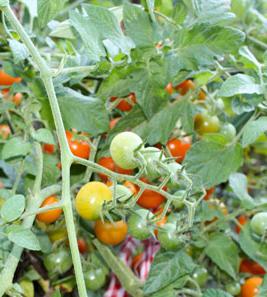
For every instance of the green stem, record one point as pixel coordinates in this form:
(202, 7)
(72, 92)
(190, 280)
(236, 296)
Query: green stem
(257, 42)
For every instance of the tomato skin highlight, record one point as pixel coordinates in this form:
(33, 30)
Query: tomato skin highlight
(79, 148)
(124, 105)
(111, 233)
(250, 287)
(90, 198)
(5, 131)
(48, 148)
(49, 216)
(8, 80)
(178, 149)
(250, 266)
(150, 199)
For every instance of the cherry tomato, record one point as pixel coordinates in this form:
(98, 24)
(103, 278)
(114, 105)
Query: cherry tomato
(124, 105)
(132, 187)
(48, 148)
(113, 122)
(90, 199)
(168, 238)
(82, 245)
(228, 130)
(242, 219)
(178, 149)
(209, 193)
(123, 148)
(202, 95)
(206, 124)
(169, 88)
(7, 80)
(49, 216)
(5, 131)
(138, 225)
(250, 266)
(250, 287)
(185, 86)
(108, 163)
(233, 288)
(79, 148)
(258, 223)
(59, 261)
(95, 278)
(111, 233)
(17, 98)
(201, 275)
(150, 199)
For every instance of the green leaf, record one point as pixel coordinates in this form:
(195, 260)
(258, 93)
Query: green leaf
(248, 58)
(216, 293)
(263, 287)
(44, 135)
(15, 147)
(239, 84)
(138, 26)
(24, 238)
(13, 208)
(211, 163)
(84, 113)
(253, 130)
(254, 249)
(19, 50)
(32, 7)
(51, 173)
(238, 183)
(171, 290)
(224, 253)
(48, 9)
(166, 268)
(62, 30)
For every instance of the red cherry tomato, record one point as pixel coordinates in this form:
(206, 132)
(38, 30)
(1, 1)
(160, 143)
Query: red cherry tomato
(250, 266)
(82, 245)
(209, 193)
(132, 187)
(79, 148)
(169, 88)
(49, 216)
(150, 199)
(178, 149)
(242, 219)
(8, 80)
(124, 105)
(48, 148)
(185, 86)
(113, 122)
(250, 287)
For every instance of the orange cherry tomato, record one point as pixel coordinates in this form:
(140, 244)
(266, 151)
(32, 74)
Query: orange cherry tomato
(160, 223)
(5, 131)
(150, 199)
(49, 216)
(169, 88)
(17, 98)
(178, 149)
(48, 148)
(111, 233)
(79, 148)
(124, 105)
(8, 80)
(82, 245)
(250, 287)
(108, 163)
(242, 219)
(202, 95)
(132, 187)
(113, 122)
(137, 259)
(209, 193)
(250, 266)
(185, 86)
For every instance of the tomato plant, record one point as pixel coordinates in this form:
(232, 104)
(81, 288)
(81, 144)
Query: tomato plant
(49, 216)
(250, 287)
(178, 149)
(78, 147)
(259, 223)
(5, 131)
(58, 262)
(95, 278)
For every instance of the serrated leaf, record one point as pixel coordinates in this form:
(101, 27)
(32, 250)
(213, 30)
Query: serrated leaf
(13, 208)
(24, 238)
(239, 84)
(224, 253)
(171, 290)
(216, 293)
(51, 173)
(15, 147)
(211, 163)
(62, 30)
(84, 113)
(19, 50)
(255, 250)
(166, 268)
(238, 183)
(253, 130)
(48, 9)
(44, 135)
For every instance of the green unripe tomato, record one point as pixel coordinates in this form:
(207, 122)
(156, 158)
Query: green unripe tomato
(228, 130)
(94, 279)
(201, 276)
(219, 104)
(123, 147)
(205, 123)
(233, 289)
(122, 193)
(138, 225)
(58, 261)
(168, 238)
(258, 223)
(152, 156)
